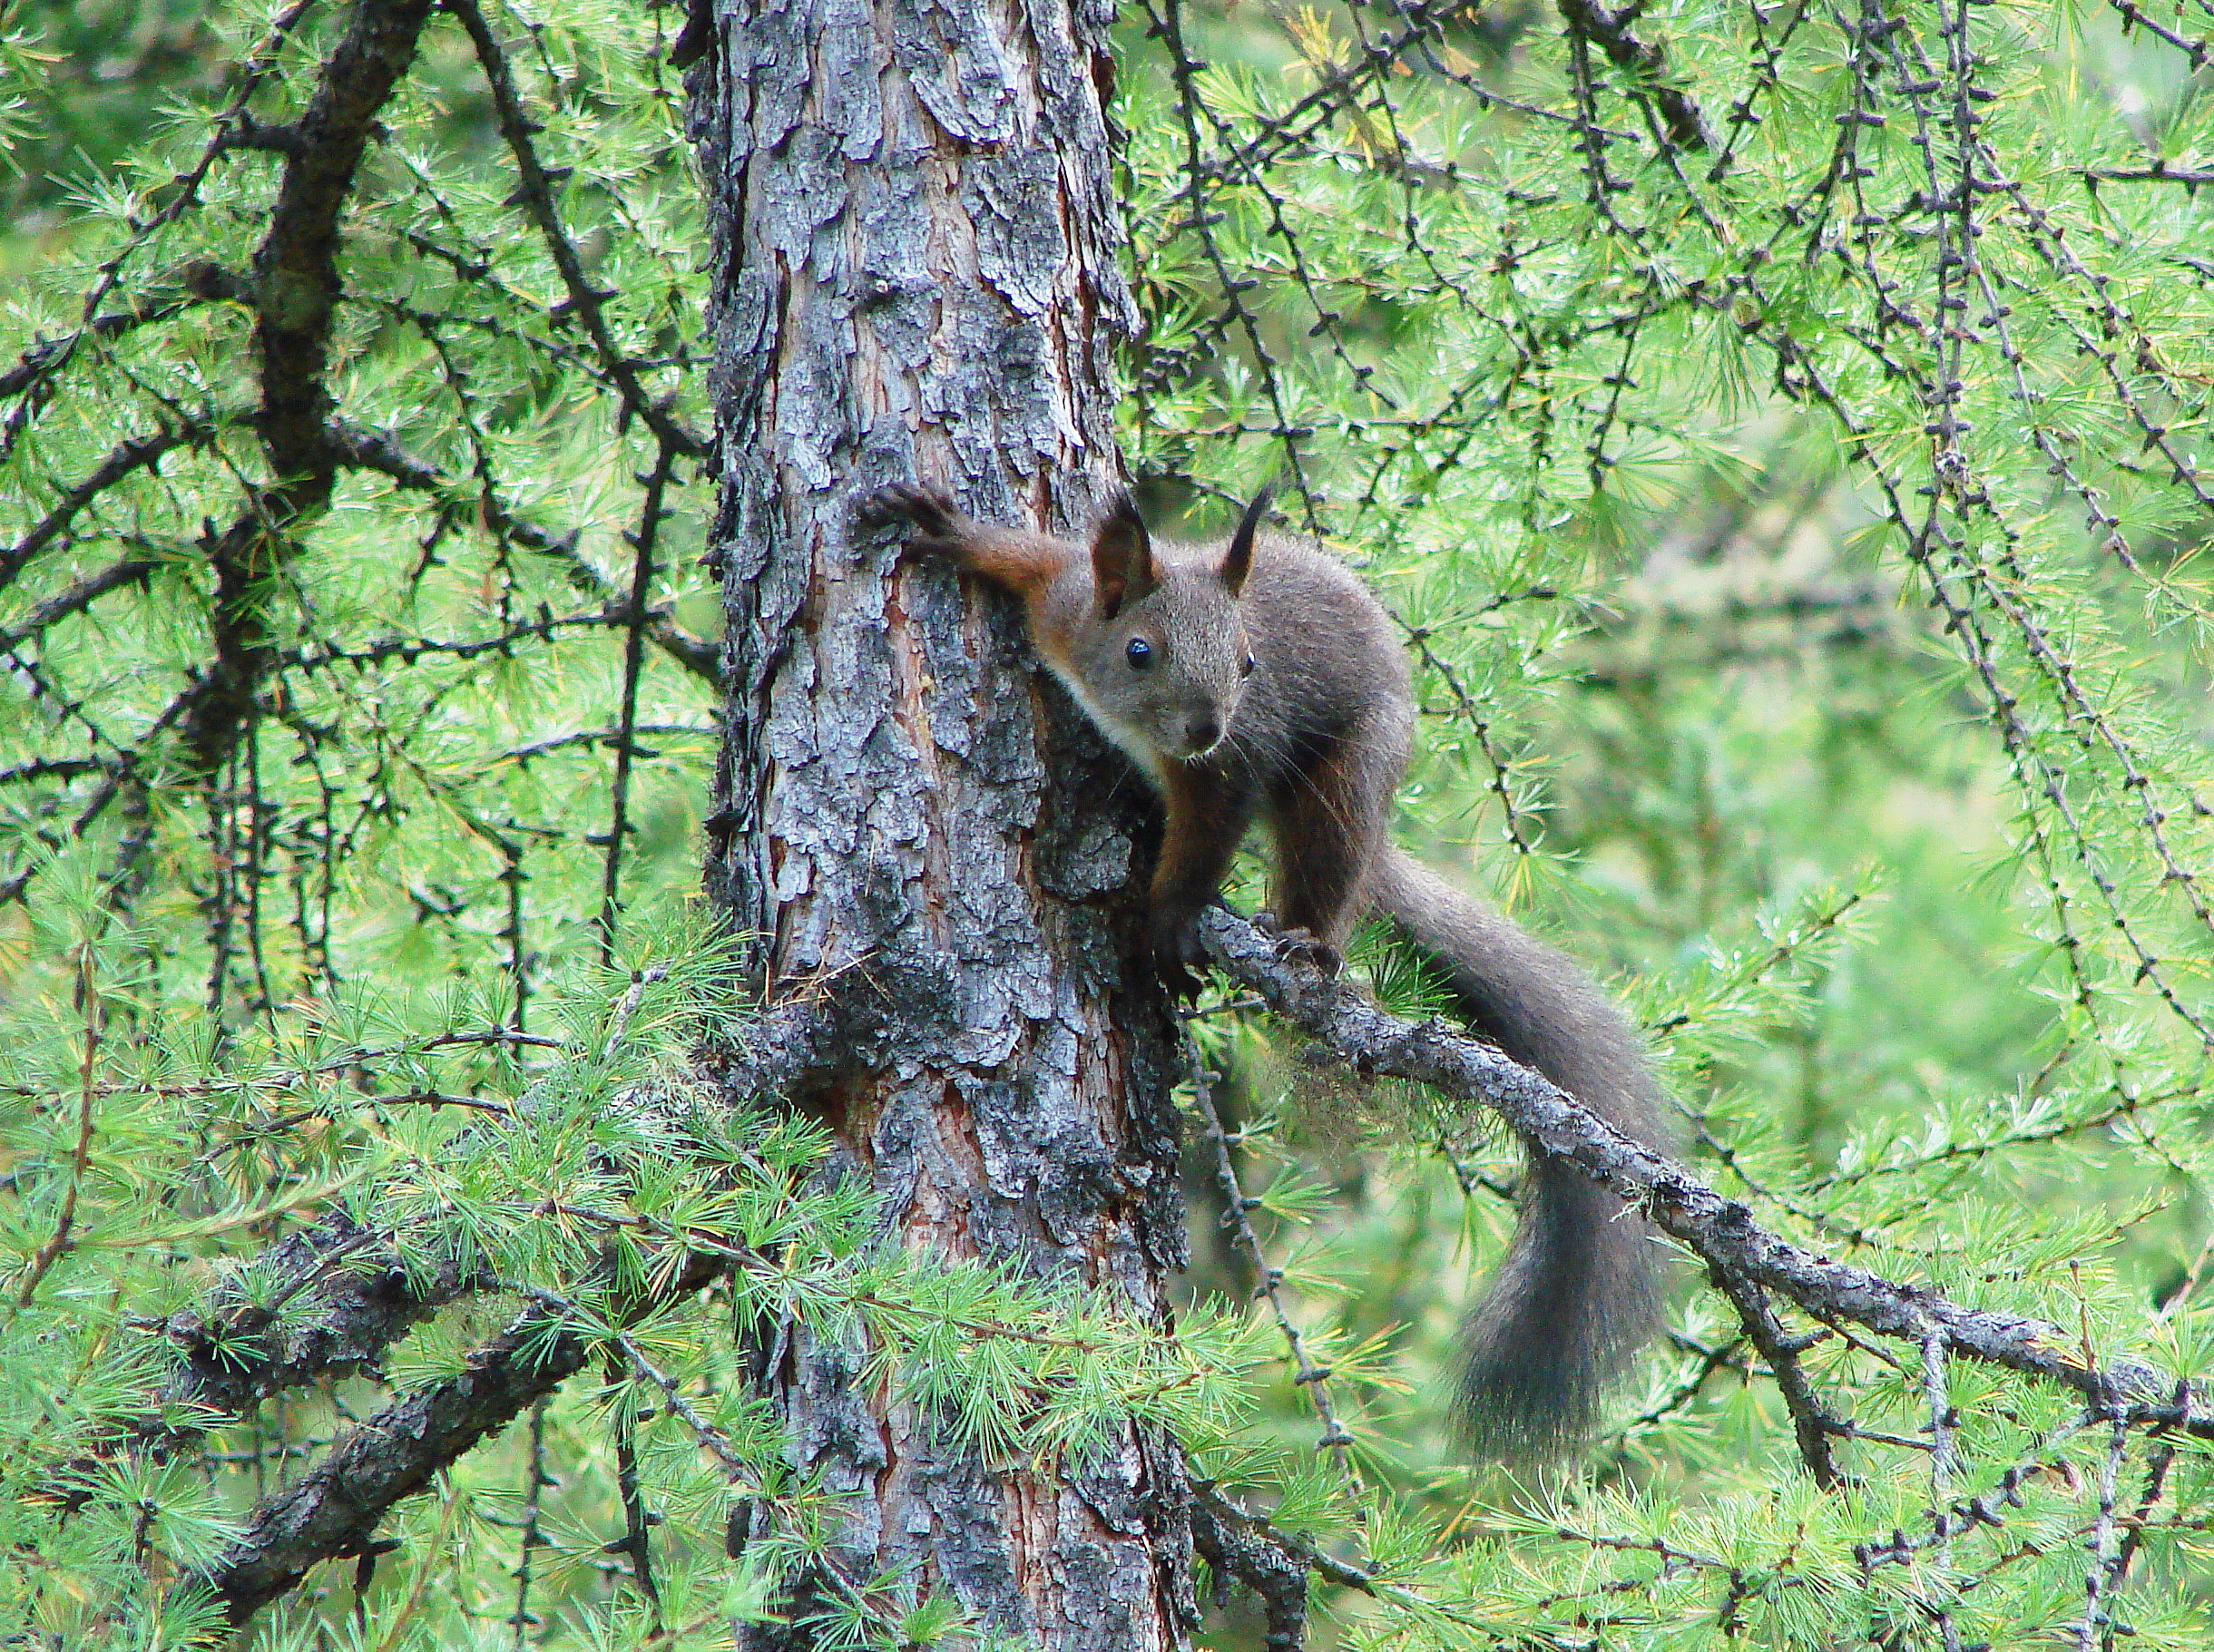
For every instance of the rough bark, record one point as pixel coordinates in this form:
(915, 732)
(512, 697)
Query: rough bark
(914, 275)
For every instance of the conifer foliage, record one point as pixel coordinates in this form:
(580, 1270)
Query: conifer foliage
(1782, 432)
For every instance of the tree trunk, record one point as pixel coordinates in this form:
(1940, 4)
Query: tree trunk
(913, 231)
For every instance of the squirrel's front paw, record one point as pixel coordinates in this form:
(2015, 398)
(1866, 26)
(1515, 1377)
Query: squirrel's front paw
(1177, 957)
(935, 525)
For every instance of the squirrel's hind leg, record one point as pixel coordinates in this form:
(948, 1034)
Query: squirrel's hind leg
(1331, 817)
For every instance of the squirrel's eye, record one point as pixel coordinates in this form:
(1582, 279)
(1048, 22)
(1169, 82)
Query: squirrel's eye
(1247, 666)
(1140, 653)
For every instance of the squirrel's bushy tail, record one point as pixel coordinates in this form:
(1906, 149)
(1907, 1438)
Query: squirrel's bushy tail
(1579, 1290)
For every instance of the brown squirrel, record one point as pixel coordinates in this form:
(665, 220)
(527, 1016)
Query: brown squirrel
(1258, 676)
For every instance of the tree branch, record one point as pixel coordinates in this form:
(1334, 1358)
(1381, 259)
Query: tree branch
(128, 457)
(1267, 1561)
(1644, 61)
(321, 1303)
(334, 1508)
(295, 281)
(375, 450)
(295, 294)
(344, 1297)
(76, 599)
(1721, 1232)
(40, 357)
(534, 195)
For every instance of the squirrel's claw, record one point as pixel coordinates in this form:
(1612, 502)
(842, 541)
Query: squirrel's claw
(1177, 957)
(1301, 943)
(928, 511)
(1307, 946)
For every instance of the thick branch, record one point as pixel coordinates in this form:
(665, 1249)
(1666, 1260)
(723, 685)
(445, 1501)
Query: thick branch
(343, 1296)
(295, 294)
(1266, 1560)
(296, 268)
(1681, 115)
(334, 1508)
(365, 1303)
(1720, 1231)
(321, 1303)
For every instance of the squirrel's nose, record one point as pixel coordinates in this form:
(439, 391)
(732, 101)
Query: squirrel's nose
(1202, 729)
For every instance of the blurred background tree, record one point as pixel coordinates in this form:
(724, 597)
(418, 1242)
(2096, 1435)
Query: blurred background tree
(1782, 431)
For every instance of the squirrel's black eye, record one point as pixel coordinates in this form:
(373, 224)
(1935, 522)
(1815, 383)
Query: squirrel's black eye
(1140, 653)
(1247, 666)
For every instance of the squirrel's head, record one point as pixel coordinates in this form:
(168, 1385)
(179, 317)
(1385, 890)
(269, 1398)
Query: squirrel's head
(1165, 662)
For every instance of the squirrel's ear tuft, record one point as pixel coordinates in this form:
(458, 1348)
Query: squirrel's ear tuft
(1238, 561)
(1122, 558)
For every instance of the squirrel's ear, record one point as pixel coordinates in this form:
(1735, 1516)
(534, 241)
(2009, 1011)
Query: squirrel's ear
(1122, 558)
(1238, 561)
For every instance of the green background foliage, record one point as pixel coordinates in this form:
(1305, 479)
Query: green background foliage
(1798, 544)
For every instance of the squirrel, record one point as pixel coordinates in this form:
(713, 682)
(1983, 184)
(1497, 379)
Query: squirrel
(1258, 676)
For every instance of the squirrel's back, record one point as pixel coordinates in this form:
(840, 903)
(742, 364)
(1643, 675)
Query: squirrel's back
(1329, 655)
